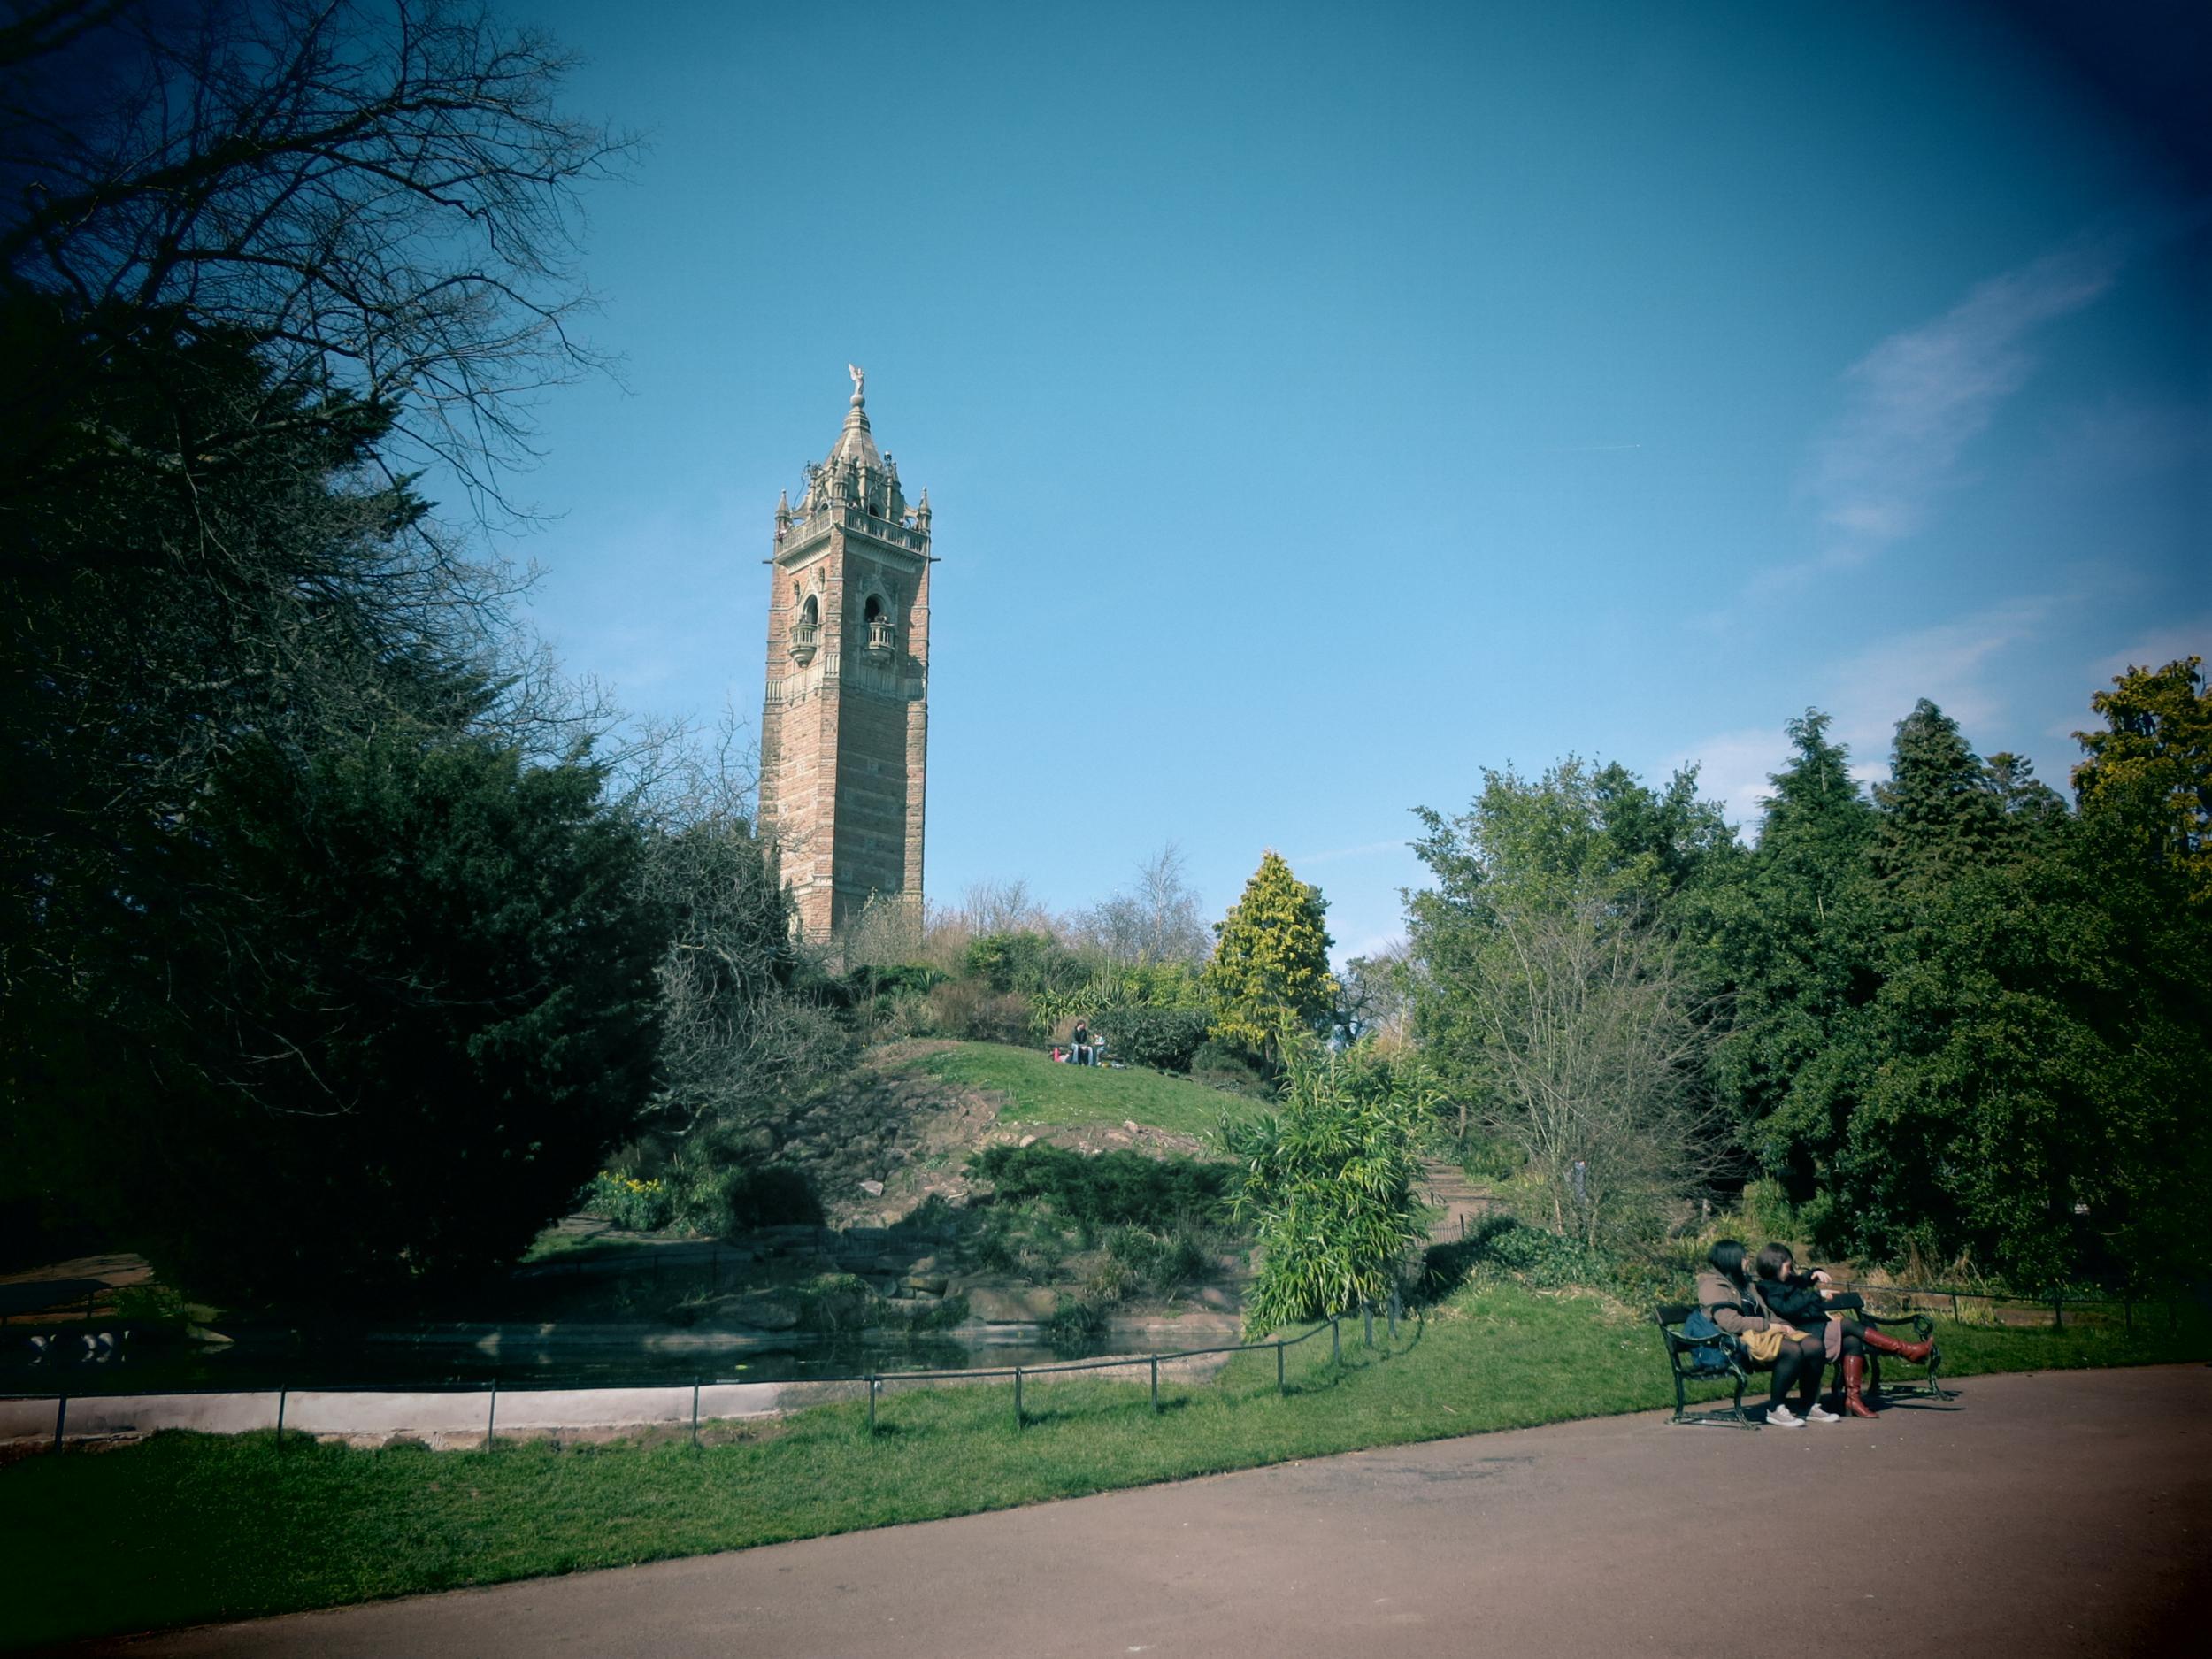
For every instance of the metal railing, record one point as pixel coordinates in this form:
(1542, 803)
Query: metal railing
(2057, 1300)
(1393, 1313)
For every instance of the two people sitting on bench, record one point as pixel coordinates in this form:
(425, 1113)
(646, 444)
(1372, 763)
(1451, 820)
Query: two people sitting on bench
(1746, 1307)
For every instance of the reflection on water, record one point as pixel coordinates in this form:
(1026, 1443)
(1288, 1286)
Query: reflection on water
(525, 1357)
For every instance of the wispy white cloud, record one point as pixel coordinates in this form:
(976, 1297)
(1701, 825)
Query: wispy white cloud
(1365, 850)
(1921, 397)
(1951, 664)
(2156, 648)
(1734, 769)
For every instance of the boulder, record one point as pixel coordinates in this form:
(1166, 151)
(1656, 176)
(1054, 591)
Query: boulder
(763, 1311)
(1008, 1304)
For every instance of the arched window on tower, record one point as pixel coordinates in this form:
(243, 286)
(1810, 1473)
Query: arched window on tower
(876, 620)
(806, 633)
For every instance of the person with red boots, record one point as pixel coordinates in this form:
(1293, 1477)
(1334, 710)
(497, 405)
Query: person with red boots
(1801, 1300)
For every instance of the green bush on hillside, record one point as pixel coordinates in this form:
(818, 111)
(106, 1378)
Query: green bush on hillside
(1168, 1038)
(1113, 1187)
(637, 1206)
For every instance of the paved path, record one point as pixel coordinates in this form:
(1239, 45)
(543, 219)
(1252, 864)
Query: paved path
(2057, 1513)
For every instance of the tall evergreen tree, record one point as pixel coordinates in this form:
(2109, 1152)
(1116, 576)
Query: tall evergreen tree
(1941, 810)
(1795, 948)
(1268, 978)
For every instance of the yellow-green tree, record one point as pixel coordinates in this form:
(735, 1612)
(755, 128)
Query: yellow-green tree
(1270, 976)
(2153, 763)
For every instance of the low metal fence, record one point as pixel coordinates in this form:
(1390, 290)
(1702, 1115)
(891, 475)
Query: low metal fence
(1392, 1315)
(2056, 1302)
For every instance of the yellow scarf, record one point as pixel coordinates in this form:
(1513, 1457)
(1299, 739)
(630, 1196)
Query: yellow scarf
(1765, 1347)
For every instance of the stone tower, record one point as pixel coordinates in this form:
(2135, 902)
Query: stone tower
(844, 728)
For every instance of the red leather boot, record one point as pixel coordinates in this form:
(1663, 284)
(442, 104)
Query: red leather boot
(1911, 1352)
(1854, 1381)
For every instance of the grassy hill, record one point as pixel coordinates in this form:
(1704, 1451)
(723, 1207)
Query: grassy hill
(1039, 1091)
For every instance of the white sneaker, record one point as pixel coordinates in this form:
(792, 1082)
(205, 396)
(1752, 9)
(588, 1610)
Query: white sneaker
(1819, 1413)
(1783, 1417)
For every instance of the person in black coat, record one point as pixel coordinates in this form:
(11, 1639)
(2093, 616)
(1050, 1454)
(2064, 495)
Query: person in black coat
(1802, 1300)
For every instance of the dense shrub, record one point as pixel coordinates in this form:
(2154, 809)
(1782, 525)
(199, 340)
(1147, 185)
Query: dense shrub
(1168, 1038)
(1327, 1183)
(971, 1009)
(719, 1196)
(1505, 1248)
(638, 1206)
(1113, 1187)
(907, 978)
(1161, 1261)
(1027, 962)
(1228, 1065)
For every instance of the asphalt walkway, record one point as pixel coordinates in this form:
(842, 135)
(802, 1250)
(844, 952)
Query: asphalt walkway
(2052, 1514)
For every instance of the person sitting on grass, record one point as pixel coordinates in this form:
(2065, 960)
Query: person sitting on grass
(1730, 1301)
(1802, 1298)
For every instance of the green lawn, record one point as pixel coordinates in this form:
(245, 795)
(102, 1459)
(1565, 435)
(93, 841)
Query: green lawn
(1040, 1091)
(186, 1527)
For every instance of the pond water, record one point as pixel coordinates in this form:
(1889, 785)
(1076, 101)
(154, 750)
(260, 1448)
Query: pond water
(515, 1356)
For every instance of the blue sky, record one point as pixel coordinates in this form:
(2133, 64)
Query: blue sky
(1321, 404)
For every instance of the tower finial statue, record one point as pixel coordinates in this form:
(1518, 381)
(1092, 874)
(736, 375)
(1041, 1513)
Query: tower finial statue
(860, 382)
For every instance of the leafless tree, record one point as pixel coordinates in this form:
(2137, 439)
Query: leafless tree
(1004, 906)
(1374, 997)
(1155, 919)
(381, 192)
(738, 1036)
(1593, 1060)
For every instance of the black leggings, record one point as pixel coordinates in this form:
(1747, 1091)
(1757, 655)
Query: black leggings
(1805, 1360)
(1799, 1364)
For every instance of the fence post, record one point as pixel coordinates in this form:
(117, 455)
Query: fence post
(1156, 1385)
(1279, 1369)
(695, 1412)
(61, 1417)
(2058, 1310)
(1394, 1313)
(280, 1394)
(1336, 1344)
(1954, 1307)
(1018, 1396)
(1367, 1324)
(872, 1403)
(491, 1414)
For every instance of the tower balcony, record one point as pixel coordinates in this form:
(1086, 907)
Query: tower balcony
(880, 643)
(805, 639)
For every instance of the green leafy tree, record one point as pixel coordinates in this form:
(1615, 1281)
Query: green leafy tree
(1554, 990)
(1328, 1184)
(1268, 977)
(408, 1006)
(2152, 766)
(1966, 1024)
